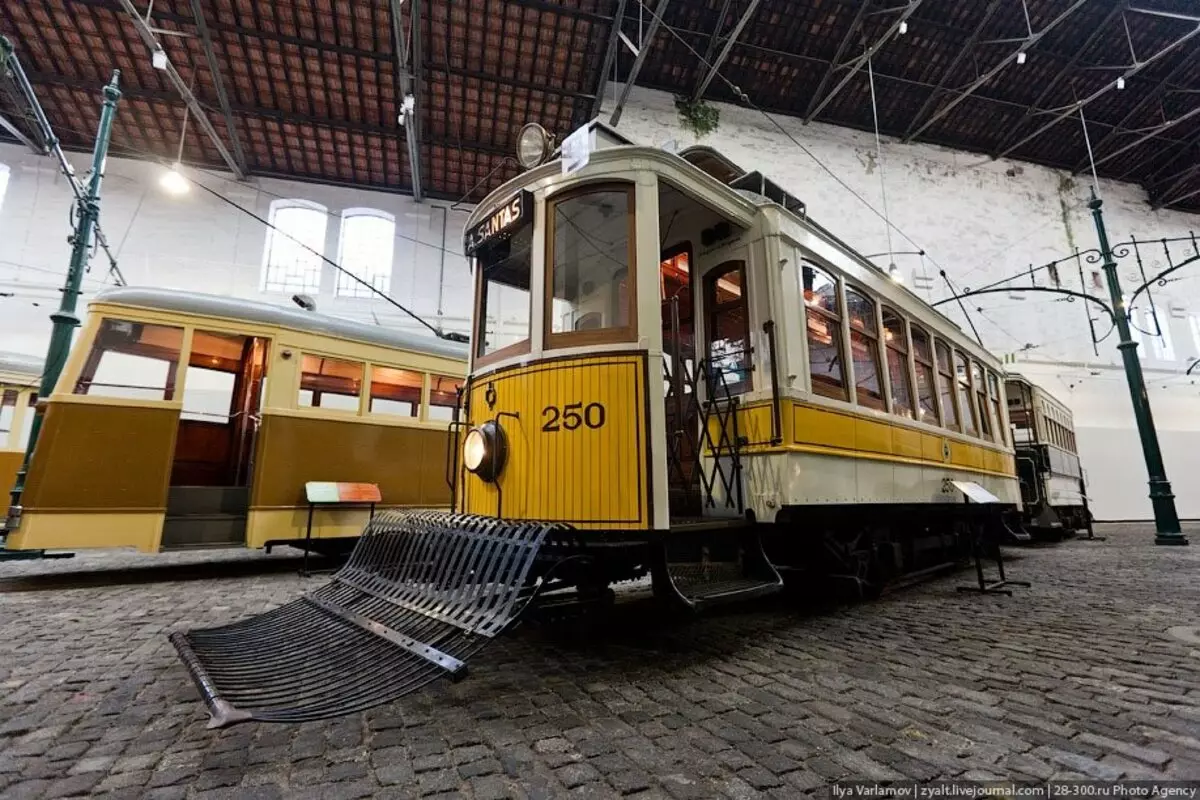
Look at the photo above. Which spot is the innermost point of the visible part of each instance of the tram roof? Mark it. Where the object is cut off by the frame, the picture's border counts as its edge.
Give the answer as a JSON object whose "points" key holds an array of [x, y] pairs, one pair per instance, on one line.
{"points": [[208, 305], [21, 364]]}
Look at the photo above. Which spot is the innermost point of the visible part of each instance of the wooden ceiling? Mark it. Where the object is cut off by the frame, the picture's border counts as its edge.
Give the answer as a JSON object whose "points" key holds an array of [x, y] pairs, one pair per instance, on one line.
{"points": [[312, 88]]}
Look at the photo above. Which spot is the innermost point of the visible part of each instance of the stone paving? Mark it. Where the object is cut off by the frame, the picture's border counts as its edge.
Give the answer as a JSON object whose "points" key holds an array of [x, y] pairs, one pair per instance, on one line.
{"points": [[1094, 672]]}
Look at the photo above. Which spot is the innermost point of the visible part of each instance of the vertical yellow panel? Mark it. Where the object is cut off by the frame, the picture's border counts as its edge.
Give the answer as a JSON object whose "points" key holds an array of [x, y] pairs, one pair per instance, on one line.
{"points": [[906, 442], [815, 426], [576, 432], [872, 437]]}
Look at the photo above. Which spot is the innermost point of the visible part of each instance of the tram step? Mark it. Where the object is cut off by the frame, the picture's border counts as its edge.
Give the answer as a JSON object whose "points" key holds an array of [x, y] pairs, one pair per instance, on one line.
{"points": [[732, 567], [421, 593], [196, 531]]}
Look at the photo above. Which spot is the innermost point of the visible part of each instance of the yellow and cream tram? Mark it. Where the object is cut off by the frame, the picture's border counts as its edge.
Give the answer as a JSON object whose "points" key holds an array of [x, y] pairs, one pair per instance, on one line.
{"points": [[672, 366], [187, 420], [20, 376]]}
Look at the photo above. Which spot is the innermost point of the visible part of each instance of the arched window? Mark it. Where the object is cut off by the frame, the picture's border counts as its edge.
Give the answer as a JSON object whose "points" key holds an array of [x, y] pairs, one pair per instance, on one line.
{"points": [[3, 184], [864, 348], [927, 404], [895, 339], [290, 264], [824, 324], [365, 248], [946, 386]]}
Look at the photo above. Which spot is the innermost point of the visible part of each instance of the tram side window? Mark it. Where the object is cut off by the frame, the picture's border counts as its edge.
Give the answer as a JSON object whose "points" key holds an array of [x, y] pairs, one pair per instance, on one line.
{"points": [[896, 343], [927, 403], [329, 383], [443, 397], [132, 360], [728, 325], [964, 393], [8, 413], [864, 349], [395, 392], [824, 325], [590, 253], [946, 386], [213, 366], [981, 400], [504, 303], [997, 411]]}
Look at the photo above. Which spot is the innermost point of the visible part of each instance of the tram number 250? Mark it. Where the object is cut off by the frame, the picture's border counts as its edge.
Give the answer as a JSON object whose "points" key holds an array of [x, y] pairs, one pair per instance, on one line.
{"points": [[573, 415]]}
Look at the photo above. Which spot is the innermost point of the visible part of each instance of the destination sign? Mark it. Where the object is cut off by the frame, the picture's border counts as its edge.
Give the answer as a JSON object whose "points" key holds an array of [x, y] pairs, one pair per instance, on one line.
{"points": [[516, 211]]}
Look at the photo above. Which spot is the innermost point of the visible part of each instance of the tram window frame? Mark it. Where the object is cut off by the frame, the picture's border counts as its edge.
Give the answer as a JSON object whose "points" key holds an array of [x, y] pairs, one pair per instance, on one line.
{"points": [[379, 390], [947, 388], [860, 332], [993, 381], [896, 342], [963, 384], [430, 405], [315, 398], [170, 354], [713, 311], [823, 386], [626, 333], [480, 306], [925, 364], [979, 387]]}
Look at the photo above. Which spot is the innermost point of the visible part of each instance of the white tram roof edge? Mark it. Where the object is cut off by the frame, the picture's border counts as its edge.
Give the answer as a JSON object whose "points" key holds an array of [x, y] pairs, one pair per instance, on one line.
{"points": [[21, 364], [210, 305]]}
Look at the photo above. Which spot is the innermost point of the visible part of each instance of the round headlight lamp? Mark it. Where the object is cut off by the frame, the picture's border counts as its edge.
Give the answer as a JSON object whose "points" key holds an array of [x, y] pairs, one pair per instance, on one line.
{"points": [[485, 450], [533, 145]]}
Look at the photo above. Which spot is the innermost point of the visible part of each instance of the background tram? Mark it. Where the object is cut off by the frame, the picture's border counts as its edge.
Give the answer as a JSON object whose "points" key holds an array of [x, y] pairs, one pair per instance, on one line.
{"points": [[1053, 491], [186, 420], [20, 376]]}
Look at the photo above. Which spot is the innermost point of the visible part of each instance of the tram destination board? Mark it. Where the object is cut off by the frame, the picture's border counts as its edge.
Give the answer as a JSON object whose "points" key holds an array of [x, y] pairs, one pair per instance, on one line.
{"points": [[513, 214], [1014, 790]]}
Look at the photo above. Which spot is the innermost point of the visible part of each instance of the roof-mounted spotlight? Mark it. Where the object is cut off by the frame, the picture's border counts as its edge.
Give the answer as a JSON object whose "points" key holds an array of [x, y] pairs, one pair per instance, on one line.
{"points": [[533, 145], [305, 302]]}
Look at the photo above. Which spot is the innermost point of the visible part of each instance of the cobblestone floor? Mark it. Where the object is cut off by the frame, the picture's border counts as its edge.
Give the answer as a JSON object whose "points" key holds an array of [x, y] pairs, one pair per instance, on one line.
{"points": [[1093, 672]]}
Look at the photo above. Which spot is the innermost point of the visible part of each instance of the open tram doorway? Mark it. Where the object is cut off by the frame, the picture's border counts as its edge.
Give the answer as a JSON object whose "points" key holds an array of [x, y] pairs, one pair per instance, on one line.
{"points": [[706, 351], [208, 501]]}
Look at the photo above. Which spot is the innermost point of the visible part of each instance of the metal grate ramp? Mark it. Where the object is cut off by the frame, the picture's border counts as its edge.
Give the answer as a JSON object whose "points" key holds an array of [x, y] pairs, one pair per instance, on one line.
{"points": [[421, 593]]}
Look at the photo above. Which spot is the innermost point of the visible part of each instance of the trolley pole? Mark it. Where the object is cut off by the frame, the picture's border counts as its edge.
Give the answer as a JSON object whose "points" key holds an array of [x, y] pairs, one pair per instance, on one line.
{"points": [[65, 319], [1166, 520]]}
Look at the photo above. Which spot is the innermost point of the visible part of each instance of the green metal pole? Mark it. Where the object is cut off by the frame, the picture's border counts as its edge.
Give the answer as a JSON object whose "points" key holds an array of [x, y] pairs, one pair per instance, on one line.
{"points": [[65, 320], [1166, 520]]}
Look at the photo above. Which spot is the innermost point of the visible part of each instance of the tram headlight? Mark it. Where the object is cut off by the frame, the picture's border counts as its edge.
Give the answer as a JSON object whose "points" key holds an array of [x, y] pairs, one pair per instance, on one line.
{"points": [[485, 450]]}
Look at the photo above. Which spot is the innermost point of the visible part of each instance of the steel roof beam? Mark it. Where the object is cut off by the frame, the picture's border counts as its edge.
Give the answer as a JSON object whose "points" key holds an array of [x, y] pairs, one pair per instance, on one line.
{"points": [[1163, 202], [855, 65], [610, 56], [837, 57], [972, 40], [729, 42], [1148, 97], [1060, 115], [406, 86], [1147, 136], [214, 69], [1027, 43], [20, 136], [1071, 64], [193, 104], [643, 50]]}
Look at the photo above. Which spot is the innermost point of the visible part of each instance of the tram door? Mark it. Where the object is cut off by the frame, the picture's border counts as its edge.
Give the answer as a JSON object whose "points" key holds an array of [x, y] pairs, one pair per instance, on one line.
{"points": [[209, 497], [679, 366]]}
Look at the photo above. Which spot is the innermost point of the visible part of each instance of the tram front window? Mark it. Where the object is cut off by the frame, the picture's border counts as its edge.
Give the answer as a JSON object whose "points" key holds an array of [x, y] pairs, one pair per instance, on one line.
{"points": [[132, 360], [504, 294], [591, 255]]}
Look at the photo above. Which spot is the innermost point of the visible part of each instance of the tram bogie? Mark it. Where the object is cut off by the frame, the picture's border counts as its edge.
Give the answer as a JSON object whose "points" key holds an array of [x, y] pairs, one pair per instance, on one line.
{"points": [[184, 420]]}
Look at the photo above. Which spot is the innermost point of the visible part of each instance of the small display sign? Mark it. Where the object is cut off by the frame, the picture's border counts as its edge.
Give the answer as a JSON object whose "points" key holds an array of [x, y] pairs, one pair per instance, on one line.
{"points": [[330, 492], [516, 212]]}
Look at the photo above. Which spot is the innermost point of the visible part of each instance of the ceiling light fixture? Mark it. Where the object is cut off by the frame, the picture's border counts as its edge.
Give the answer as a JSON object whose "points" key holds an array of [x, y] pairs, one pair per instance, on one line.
{"points": [[173, 181], [903, 28], [1120, 83], [159, 58], [1021, 57]]}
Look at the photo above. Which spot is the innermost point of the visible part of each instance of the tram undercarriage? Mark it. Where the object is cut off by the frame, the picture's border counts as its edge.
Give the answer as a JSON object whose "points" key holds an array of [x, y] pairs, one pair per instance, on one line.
{"points": [[424, 591]]}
